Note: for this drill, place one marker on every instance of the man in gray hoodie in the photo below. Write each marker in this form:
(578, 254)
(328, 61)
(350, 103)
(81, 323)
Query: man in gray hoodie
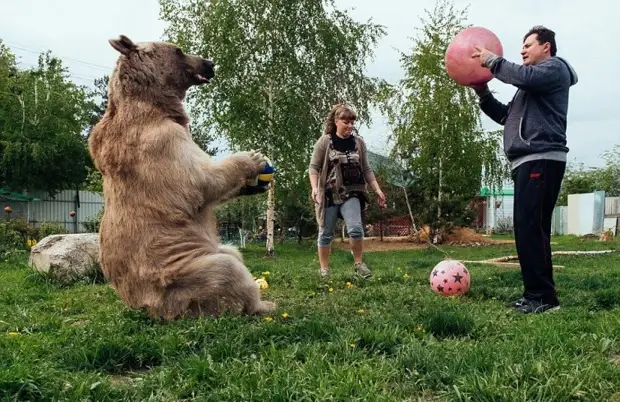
(535, 144)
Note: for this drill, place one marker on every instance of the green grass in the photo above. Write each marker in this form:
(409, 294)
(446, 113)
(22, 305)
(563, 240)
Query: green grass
(387, 339)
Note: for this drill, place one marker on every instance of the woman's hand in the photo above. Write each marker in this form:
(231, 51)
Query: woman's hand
(381, 198)
(315, 195)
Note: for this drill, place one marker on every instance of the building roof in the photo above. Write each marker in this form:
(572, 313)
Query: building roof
(486, 192)
(12, 196)
(396, 173)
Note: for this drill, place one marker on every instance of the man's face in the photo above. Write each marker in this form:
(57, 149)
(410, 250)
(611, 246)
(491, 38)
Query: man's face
(533, 52)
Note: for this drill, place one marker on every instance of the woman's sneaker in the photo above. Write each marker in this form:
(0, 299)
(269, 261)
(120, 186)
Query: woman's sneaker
(362, 270)
(324, 273)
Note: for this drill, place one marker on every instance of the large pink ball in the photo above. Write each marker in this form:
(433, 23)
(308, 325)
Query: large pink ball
(450, 277)
(463, 68)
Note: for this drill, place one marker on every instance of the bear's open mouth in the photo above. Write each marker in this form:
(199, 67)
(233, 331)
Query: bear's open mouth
(201, 78)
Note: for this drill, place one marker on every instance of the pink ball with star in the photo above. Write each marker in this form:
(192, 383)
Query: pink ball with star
(450, 277)
(460, 66)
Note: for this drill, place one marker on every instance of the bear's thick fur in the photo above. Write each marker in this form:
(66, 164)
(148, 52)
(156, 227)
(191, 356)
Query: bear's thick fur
(159, 246)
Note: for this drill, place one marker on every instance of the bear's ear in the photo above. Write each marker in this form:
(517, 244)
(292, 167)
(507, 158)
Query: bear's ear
(123, 44)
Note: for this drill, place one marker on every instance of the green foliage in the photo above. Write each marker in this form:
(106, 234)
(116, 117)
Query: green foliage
(243, 212)
(10, 239)
(94, 181)
(436, 125)
(42, 119)
(51, 228)
(385, 339)
(579, 180)
(25, 230)
(281, 65)
(92, 223)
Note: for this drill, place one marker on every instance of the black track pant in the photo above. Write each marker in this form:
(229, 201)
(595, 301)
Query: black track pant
(537, 186)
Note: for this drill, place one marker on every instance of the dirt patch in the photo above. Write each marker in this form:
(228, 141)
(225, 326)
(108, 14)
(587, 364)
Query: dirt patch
(378, 245)
(459, 237)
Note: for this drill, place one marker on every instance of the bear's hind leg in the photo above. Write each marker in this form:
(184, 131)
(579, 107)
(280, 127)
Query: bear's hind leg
(206, 281)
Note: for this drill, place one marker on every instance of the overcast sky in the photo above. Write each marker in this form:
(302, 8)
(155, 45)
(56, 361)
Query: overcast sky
(78, 32)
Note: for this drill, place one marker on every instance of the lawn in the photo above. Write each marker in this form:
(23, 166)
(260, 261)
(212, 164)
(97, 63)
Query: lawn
(387, 339)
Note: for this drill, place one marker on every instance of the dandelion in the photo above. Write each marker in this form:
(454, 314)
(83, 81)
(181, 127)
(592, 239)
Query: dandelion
(268, 319)
(284, 315)
(331, 290)
(349, 284)
(360, 310)
(13, 334)
(266, 273)
(406, 276)
(352, 345)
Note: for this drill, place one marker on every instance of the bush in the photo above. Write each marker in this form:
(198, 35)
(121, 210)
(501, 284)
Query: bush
(51, 228)
(10, 239)
(23, 228)
(92, 222)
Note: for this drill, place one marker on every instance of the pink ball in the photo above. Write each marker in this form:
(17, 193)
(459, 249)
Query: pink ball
(450, 277)
(463, 68)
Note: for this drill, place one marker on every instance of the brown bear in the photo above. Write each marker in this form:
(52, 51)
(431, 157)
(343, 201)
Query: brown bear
(159, 246)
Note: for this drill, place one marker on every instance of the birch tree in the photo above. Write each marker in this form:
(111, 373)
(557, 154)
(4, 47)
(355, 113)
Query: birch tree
(436, 127)
(281, 65)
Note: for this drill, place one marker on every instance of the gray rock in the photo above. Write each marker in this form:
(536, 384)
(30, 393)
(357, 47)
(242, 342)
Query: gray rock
(67, 257)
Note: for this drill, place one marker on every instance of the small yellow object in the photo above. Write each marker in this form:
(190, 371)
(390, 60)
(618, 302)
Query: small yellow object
(360, 310)
(13, 333)
(352, 345)
(331, 289)
(262, 283)
(265, 177)
(284, 315)
(349, 284)
(268, 319)
(406, 276)
(266, 273)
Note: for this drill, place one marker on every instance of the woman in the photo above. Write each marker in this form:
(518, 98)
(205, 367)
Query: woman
(339, 174)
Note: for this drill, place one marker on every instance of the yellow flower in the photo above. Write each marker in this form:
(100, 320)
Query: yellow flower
(406, 276)
(268, 319)
(13, 333)
(360, 310)
(349, 284)
(331, 289)
(266, 273)
(262, 283)
(352, 345)
(284, 315)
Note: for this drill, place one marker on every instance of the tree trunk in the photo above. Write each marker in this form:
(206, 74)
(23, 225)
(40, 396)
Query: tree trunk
(438, 229)
(413, 225)
(271, 200)
(300, 227)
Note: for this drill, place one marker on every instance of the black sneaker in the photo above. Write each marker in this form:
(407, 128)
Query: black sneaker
(517, 303)
(536, 307)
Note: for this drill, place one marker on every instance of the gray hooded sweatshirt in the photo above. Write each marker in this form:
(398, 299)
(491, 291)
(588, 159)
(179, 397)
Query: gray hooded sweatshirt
(535, 119)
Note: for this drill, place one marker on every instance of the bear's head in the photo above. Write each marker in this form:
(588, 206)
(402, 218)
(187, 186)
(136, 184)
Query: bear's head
(158, 66)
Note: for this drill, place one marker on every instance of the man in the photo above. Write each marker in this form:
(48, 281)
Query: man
(535, 144)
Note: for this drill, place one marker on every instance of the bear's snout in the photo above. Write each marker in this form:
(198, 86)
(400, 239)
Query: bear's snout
(208, 68)
(202, 70)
